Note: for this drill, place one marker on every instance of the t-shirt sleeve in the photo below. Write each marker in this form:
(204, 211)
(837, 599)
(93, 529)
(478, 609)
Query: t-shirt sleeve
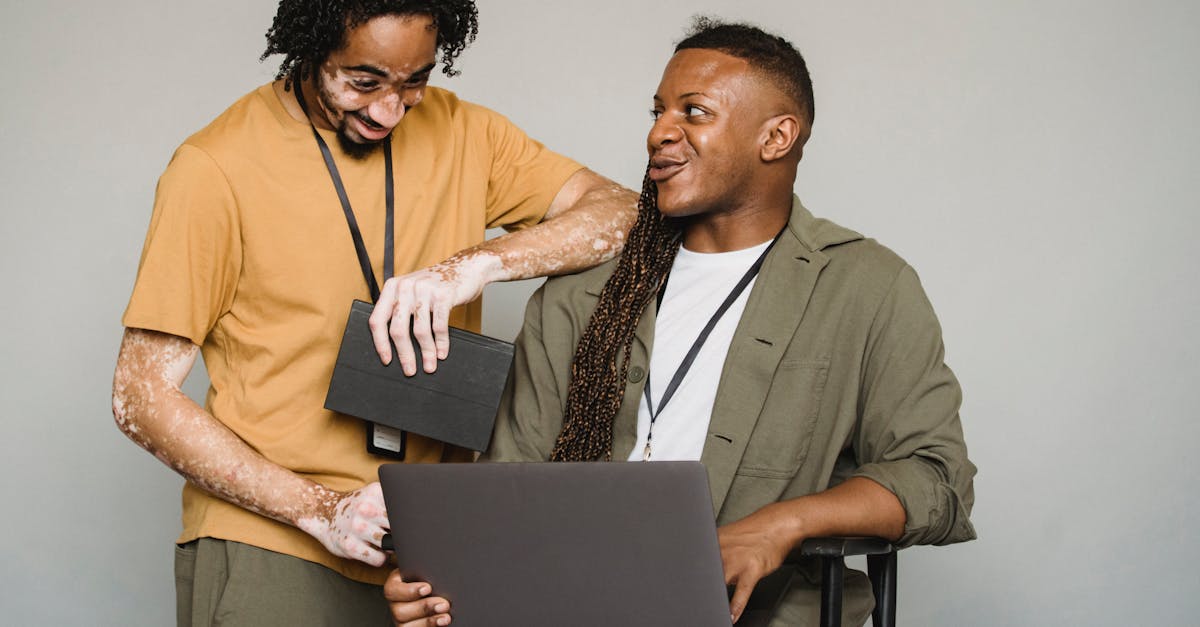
(192, 256)
(525, 175)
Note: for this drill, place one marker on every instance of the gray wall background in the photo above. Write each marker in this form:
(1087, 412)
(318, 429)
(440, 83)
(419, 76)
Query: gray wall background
(1035, 161)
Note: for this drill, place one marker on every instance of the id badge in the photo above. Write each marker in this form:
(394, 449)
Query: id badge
(386, 441)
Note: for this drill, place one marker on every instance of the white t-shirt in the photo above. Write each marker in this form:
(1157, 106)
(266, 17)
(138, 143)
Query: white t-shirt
(698, 284)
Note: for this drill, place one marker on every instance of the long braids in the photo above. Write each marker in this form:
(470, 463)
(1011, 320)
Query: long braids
(597, 385)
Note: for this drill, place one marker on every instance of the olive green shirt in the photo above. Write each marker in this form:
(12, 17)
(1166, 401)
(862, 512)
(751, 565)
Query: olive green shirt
(835, 370)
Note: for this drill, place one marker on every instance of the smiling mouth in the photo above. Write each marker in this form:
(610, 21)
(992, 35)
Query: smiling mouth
(662, 169)
(370, 130)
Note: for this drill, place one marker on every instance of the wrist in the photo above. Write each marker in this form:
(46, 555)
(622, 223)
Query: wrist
(491, 268)
(479, 266)
(319, 507)
(789, 523)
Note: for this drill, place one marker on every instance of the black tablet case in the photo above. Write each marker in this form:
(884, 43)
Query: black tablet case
(455, 404)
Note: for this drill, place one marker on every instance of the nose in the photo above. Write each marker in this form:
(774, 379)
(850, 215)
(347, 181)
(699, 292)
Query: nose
(662, 132)
(390, 109)
(387, 111)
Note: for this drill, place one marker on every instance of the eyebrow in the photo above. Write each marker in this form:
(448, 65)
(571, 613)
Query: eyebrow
(687, 95)
(425, 70)
(381, 73)
(369, 69)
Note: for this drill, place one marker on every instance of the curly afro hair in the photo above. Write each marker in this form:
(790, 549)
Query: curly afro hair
(306, 31)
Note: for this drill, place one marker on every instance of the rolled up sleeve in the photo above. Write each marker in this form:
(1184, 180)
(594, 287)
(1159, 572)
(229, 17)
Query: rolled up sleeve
(910, 439)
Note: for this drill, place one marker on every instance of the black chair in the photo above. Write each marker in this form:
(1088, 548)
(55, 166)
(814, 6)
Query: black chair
(881, 570)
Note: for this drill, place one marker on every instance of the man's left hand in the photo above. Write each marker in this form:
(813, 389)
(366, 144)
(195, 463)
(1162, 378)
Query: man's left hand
(751, 549)
(423, 299)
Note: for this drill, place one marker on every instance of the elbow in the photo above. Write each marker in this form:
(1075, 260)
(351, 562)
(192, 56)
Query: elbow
(150, 368)
(125, 403)
(120, 411)
(935, 498)
(952, 523)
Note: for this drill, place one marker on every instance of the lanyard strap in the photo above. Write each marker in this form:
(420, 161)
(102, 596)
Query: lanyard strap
(686, 364)
(360, 247)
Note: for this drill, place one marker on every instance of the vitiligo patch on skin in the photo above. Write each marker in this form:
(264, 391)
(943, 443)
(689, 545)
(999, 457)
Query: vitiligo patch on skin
(586, 237)
(150, 408)
(591, 232)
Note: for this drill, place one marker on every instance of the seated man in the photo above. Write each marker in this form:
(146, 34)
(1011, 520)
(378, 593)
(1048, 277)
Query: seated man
(833, 412)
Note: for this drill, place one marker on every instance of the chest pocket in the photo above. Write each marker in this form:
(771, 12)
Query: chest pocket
(783, 434)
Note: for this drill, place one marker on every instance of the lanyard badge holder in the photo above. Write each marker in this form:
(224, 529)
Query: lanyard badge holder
(690, 357)
(381, 439)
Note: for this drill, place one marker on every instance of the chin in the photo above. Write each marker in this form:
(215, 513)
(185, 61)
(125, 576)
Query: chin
(672, 206)
(668, 202)
(358, 147)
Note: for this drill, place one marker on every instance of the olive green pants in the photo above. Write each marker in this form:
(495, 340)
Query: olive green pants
(218, 582)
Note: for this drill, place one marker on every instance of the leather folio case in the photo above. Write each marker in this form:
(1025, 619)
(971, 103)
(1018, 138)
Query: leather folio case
(455, 404)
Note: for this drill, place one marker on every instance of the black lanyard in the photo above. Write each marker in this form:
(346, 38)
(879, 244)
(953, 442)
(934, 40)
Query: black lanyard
(686, 364)
(360, 247)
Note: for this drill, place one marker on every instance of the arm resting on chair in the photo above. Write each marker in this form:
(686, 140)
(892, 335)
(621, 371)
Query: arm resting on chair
(758, 544)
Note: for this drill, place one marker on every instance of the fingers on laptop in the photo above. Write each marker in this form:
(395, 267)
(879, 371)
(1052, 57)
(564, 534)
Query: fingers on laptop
(411, 605)
(435, 620)
(743, 578)
(741, 596)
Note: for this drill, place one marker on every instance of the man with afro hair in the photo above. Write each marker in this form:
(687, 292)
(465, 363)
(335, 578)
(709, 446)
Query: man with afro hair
(248, 262)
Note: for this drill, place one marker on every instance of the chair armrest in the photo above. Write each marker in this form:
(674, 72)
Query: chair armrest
(839, 547)
(881, 568)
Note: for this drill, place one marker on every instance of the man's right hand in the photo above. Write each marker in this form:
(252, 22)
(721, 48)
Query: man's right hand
(351, 524)
(411, 605)
(150, 408)
(424, 299)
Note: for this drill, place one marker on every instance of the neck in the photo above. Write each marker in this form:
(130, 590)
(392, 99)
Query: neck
(725, 231)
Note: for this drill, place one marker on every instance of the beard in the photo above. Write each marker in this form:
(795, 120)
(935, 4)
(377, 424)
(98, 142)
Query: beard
(357, 149)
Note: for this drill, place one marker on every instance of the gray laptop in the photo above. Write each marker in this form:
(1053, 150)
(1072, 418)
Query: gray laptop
(557, 544)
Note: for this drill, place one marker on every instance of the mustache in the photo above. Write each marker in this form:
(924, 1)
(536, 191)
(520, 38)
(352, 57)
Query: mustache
(366, 119)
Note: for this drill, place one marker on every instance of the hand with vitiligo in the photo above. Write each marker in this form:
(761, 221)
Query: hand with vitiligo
(423, 300)
(351, 525)
(584, 226)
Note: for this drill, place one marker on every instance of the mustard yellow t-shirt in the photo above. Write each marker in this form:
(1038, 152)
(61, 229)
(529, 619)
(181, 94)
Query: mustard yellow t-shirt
(248, 255)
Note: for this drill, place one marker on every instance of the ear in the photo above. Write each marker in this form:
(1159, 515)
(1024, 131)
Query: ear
(782, 135)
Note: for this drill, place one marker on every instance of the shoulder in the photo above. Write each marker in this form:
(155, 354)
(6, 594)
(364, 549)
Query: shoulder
(584, 286)
(847, 254)
(212, 162)
(442, 105)
(439, 103)
(238, 126)
(867, 260)
(559, 311)
(866, 280)
(569, 299)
